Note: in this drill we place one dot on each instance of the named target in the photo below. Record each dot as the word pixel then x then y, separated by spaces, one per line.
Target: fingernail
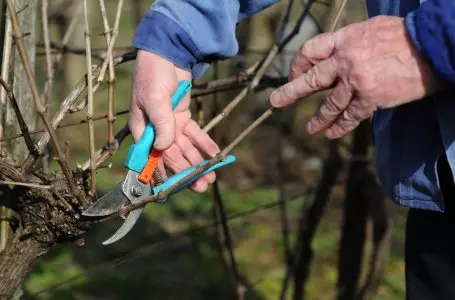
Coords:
pixel 274 98
pixel 310 127
pixel 203 186
pixel 329 133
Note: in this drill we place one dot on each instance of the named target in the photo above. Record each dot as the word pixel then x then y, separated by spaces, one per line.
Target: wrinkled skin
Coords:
pixel 370 65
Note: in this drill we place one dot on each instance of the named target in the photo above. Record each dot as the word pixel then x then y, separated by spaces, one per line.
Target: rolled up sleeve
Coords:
pixel 432 30
pixel 193 33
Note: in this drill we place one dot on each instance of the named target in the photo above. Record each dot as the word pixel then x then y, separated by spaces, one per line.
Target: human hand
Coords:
pixel 177 135
pixel 369 65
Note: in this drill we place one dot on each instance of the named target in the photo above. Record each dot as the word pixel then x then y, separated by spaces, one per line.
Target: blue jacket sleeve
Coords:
pixel 432 30
pixel 193 33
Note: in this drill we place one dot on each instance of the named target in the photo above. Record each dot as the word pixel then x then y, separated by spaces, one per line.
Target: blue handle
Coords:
pixel 138 153
pixel 179 176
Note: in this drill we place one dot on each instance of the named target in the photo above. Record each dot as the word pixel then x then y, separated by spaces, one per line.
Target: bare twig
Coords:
pixel 68 124
pixel 49 70
pixel 20 119
pixel 67 150
pixel 91 130
pixel 4 214
pixel 104 66
pixel 222 218
pixel 39 106
pixel 297 26
pixel 251 86
pixel 6 62
pixel 32 185
pixel 67 36
pixel 111 82
pixel 248 130
pixel 284 23
pixel 109 149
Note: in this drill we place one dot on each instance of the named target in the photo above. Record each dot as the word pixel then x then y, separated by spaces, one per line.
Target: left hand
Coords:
pixel 371 65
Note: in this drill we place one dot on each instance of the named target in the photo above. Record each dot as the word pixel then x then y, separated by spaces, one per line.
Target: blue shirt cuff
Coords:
pixel 432 30
pixel 411 29
pixel 162 36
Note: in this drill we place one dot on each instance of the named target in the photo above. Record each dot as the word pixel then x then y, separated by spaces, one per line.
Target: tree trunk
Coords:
pixel 16 261
pixel 18 257
pixel 16 149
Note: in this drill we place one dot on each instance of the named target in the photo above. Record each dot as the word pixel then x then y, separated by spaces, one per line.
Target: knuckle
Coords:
pixel 332 105
pixel 288 90
pixel 305 48
pixel 350 115
pixel 312 80
pixel 360 80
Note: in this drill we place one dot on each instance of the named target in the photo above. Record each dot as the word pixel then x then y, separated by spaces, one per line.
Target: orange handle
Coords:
pixel 152 163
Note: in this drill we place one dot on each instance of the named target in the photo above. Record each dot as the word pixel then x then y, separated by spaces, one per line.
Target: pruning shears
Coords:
pixel 142 163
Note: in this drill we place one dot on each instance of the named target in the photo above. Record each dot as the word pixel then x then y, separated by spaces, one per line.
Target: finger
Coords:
pixel 136 121
pixel 200 139
pixel 192 155
pixel 330 108
pixel 349 119
pixel 318 78
pixel 311 52
pixel 175 161
pixel 161 116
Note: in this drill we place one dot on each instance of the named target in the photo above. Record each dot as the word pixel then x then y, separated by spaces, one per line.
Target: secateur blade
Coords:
pixel 109 203
pixel 134 190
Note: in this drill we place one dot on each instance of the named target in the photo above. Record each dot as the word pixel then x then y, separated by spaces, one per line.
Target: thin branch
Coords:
pixel 91 130
pixel 248 130
pixel 39 106
pixel 222 217
pixel 97 53
pixel 68 124
pixel 20 119
pixel 32 185
pixel 6 63
pixel 109 149
pixel 111 82
pixel 296 29
pixel 284 23
pixel 251 86
pixel 4 226
pixel 49 70
pixel 67 36
pixel 104 66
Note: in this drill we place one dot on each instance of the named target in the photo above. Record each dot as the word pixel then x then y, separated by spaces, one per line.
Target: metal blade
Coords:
pixel 110 203
pixel 134 190
pixel 129 223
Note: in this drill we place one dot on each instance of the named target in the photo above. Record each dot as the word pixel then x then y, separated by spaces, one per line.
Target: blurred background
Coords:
pixel 270 195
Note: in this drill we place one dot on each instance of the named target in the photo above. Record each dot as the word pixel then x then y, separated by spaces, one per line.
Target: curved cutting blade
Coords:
pixel 108 204
pixel 129 223
pixel 130 181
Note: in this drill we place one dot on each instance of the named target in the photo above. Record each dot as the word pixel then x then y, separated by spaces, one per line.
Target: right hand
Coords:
pixel 179 137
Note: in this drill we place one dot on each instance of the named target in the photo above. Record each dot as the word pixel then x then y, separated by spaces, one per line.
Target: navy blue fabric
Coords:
pixel 435 30
pixel 408 139
pixel 157 32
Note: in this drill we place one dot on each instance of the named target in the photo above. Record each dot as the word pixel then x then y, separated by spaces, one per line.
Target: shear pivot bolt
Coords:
pixel 136 191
